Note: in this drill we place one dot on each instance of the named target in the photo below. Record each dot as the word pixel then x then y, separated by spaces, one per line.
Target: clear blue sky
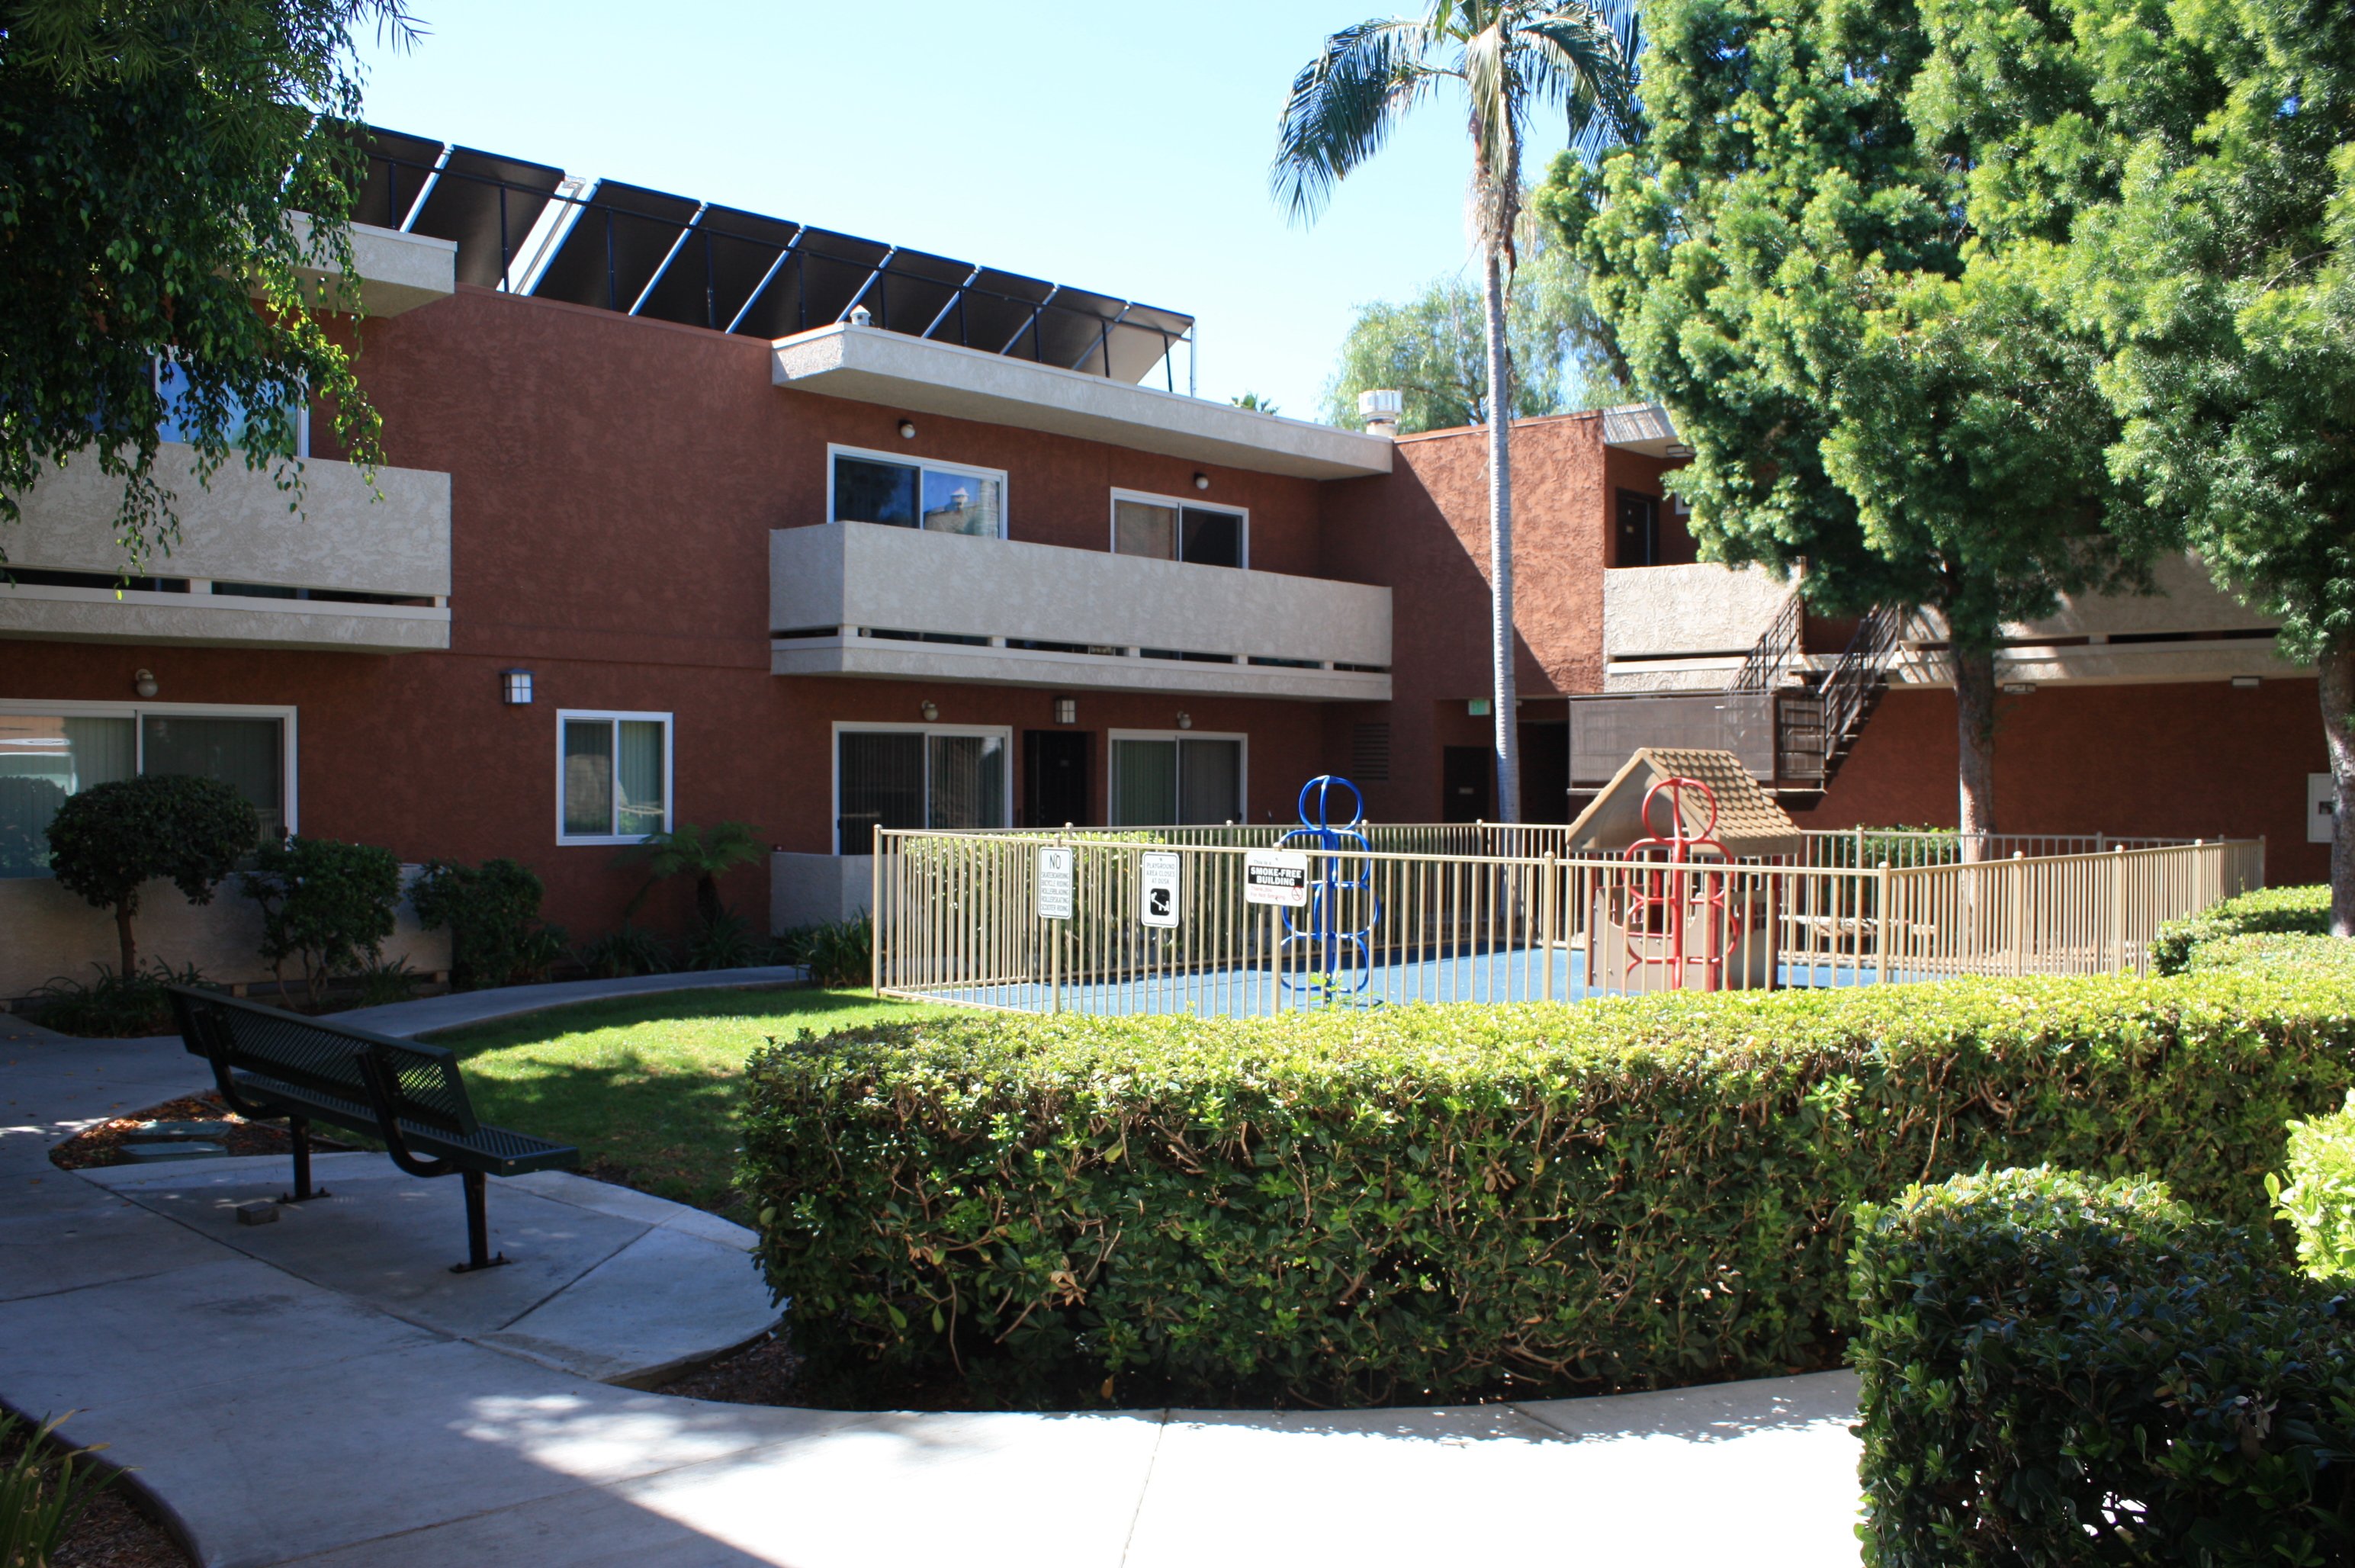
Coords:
pixel 1110 146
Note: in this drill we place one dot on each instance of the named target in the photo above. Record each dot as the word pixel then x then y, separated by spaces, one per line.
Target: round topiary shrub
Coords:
pixel 107 841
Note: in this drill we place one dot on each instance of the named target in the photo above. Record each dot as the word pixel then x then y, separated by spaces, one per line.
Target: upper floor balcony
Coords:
pixel 351 568
pixel 864 599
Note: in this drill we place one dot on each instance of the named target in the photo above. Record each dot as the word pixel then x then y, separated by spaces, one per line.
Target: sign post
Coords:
pixel 1157 872
pixel 1055 881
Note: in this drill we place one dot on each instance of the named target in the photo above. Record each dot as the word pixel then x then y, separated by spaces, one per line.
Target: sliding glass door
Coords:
pixel 1163 780
pixel 913 779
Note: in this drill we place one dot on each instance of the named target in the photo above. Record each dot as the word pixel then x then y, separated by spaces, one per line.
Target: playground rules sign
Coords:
pixel 1158 877
pixel 1276 877
pixel 1054 884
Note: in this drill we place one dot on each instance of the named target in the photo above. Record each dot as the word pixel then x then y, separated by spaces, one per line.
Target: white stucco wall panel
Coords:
pixel 817 889
pixel 1695 609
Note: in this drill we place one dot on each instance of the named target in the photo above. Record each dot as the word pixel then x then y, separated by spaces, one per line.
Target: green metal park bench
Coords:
pixel 271 1064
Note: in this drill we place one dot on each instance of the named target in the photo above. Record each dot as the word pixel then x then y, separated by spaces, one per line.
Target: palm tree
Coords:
pixel 687 850
pixel 1510 56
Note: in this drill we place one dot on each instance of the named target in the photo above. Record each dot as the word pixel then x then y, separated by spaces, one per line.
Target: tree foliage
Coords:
pixel 327 903
pixel 110 840
pixel 1811 261
pixel 1433 347
pixel 157 158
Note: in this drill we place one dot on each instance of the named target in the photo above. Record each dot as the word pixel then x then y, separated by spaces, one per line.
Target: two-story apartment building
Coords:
pixel 697 515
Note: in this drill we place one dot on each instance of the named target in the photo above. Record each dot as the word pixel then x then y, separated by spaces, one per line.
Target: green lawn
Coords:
pixel 647 1086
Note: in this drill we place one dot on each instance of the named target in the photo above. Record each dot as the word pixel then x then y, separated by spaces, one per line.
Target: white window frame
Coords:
pixel 910 460
pixel 1004 733
pixel 1243 766
pixel 671 800
pixel 133 710
pixel 1112 519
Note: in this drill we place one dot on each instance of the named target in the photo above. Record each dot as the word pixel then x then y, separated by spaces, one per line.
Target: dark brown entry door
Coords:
pixel 1545 772
pixel 1466 776
pixel 1054 777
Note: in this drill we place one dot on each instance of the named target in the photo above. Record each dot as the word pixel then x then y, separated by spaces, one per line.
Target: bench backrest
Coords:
pixel 420 1082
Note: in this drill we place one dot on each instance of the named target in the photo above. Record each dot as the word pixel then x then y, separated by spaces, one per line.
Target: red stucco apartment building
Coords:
pixel 697 515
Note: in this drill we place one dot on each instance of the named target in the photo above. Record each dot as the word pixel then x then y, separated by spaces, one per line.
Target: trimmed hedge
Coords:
pixel 2319 1199
pixel 2059 1371
pixel 1432 1203
pixel 2273 953
pixel 2269 911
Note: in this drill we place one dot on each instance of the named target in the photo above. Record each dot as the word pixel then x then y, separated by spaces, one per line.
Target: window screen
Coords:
pixel 44 759
pixel 913 779
pixel 614 783
pixel 241 753
pixel 1141 528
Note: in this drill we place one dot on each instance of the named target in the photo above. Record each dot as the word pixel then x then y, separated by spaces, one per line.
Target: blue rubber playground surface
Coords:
pixel 1502 975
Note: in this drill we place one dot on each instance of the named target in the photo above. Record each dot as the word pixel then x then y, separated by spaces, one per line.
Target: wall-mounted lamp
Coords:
pixel 1067 710
pixel 2246 683
pixel 2017 688
pixel 1184 720
pixel 907 430
pixel 144 682
pixel 515 687
pixel 1202 481
pixel 930 709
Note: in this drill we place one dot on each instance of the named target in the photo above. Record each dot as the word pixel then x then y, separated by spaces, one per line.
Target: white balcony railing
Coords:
pixel 864 600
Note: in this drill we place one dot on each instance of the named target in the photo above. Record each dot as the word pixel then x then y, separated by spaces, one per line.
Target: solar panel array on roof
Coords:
pixel 524 227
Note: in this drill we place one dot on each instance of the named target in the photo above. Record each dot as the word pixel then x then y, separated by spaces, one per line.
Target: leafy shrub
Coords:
pixel 114 1006
pixel 112 838
pixel 492 913
pixel 383 982
pixel 841 952
pixel 687 850
pixel 1435 1203
pixel 328 903
pixel 621 954
pixel 2318 1200
pixel 2057 1372
pixel 2272 953
pixel 728 943
pixel 2305 910
pixel 44 1487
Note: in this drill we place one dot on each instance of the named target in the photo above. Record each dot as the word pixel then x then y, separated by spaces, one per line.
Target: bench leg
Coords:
pixel 478 1228
pixel 298 1129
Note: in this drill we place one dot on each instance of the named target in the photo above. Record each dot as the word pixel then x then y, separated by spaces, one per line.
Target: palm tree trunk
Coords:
pixel 1504 704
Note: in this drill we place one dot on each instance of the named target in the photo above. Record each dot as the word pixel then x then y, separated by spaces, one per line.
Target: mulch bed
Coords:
pixel 103 1144
pixel 766 1372
pixel 112 1531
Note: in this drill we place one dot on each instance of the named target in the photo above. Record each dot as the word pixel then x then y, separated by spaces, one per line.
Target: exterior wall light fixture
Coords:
pixel 2246 683
pixel 144 682
pixel 1067 710
pixel 1184 720
pixel 515 687
pixel 1202 481
pixel 931 711
pixel 2017 688
pixel 907 430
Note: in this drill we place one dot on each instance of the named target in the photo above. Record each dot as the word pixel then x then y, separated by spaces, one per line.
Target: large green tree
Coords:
pixel 1877 385
pixel 158 160
pixel 1507 57
pixel 1433 347
pixel 2223 276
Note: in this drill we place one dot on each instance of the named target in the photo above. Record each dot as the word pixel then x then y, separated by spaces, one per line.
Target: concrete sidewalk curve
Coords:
pixel 281 1420
pixel 407 1020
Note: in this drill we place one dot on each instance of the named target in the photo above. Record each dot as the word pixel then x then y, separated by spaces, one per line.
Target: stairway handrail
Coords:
pixel 1874 646
pixel 1776 651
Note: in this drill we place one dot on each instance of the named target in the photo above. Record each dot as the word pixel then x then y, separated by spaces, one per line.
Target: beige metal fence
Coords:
pixel 959 917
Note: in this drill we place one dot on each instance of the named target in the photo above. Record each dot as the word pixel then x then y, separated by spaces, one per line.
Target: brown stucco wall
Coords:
pixel 2192 760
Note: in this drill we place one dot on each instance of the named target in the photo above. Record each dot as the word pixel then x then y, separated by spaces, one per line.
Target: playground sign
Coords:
pixel 1276 877
pixel 1157 871
pixel 1054 884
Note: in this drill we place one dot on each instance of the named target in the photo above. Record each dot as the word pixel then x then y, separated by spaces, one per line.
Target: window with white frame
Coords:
pixel 930 777
pixel 613 783
pixel 50 753
pixel 911 493
pixel 1161 779
pixel 1167 529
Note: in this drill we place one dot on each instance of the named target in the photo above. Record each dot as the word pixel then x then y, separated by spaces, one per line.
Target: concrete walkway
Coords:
pixel 406 1019
pixel 281 1420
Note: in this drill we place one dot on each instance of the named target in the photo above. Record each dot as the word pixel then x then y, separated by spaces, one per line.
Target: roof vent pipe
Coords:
pixel 1381 410
pixel 859 316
